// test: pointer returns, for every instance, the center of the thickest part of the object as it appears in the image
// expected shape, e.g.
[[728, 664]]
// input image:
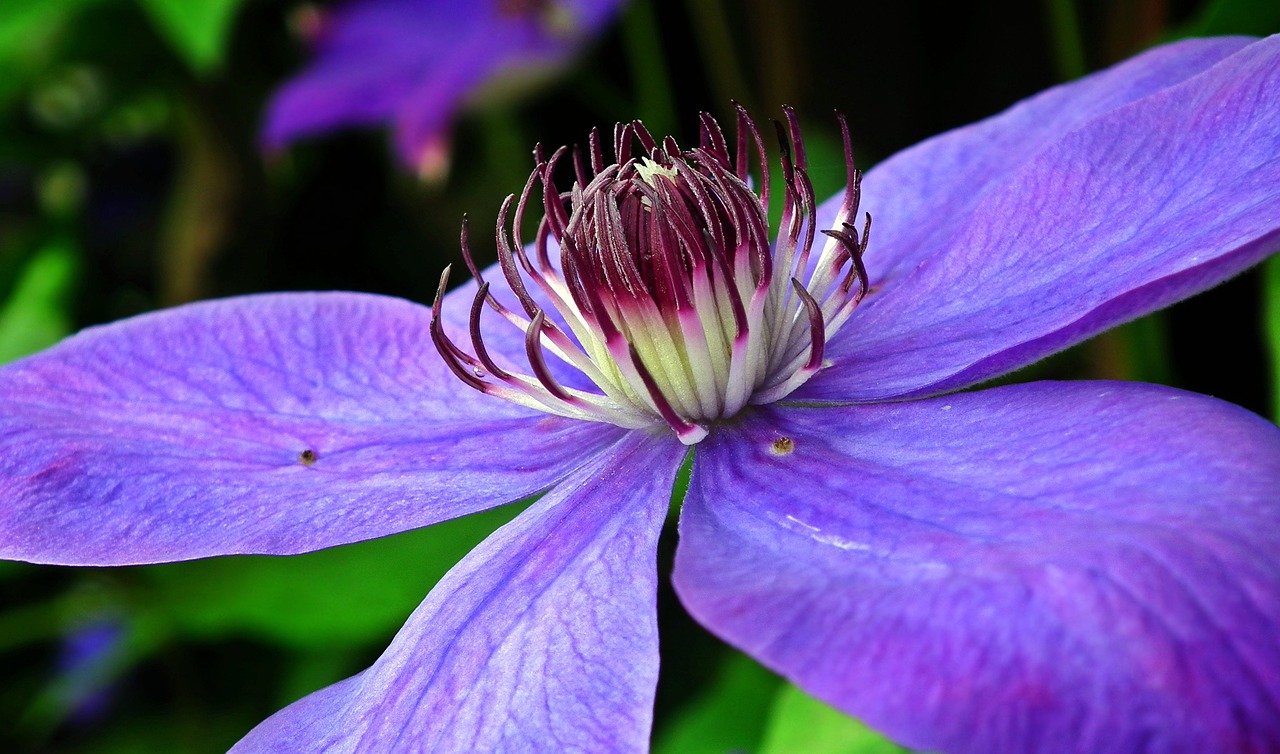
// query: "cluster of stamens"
[[667, 293]]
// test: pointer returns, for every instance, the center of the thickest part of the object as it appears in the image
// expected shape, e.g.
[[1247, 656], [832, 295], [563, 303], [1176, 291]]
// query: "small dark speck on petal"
[[783, 446], [307, 457]]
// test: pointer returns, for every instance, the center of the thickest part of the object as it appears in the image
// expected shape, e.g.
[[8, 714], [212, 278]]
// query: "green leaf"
[[28, 33], [728, 717], [197, 29], [800, 723], [21, 19], [35, 316], [347, 595]]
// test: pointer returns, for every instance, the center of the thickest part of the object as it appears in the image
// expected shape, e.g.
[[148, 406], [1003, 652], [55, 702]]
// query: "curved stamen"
[[454, 358], [667, 293], [533, 348], [477, 340]]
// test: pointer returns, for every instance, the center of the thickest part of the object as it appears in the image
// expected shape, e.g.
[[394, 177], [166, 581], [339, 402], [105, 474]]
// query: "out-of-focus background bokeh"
[[150, 156]]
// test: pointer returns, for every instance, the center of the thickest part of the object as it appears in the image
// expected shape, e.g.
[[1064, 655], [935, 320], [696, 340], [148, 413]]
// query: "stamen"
[[533, 347], [670, 298], [688, 432], [477, 341], [453, 357]]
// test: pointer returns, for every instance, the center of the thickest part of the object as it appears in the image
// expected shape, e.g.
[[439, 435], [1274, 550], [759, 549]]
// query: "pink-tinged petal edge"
[[1140, 207], [1048, 567], [544, 638], [269, 424]]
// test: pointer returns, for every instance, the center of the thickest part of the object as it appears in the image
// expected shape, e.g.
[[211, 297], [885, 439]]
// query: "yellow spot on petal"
[[783, 446], [307, 457]]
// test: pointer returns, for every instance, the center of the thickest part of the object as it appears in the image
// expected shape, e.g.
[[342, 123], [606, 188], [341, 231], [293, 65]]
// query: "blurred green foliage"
[[35, 314], [800, 723], [198, 29], [1220, 17], [329, 600], [728, 715]]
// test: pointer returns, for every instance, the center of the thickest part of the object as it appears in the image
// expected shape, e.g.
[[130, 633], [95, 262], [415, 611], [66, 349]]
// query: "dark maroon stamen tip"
[[817, 328], [853, 249], [454, 358], [477, 339], [533, 349]]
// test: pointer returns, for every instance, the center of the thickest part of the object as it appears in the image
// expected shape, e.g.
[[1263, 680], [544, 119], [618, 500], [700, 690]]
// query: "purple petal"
[[921, 196], [370, 57], [544, 638], [416, 62], [269, 424], [1050, 567], [1138, 208]]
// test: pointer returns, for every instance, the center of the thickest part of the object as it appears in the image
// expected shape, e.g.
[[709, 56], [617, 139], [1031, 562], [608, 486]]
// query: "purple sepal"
[[267, 424], [1133, 210], [1050, 567], [923, 195], [544, 638]]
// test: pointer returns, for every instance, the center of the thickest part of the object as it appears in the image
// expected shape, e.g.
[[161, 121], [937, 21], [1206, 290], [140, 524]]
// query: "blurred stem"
[[649, 75], [507, 152], [680, 489], [781, 62], [1271, 326], [201, 206], [723, 68], [1068, 45], [1138, 350], [1134, 25], [183, 698]]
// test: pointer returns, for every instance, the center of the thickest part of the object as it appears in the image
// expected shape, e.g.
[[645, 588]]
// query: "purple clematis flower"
[[416, 63], [1048, 567]]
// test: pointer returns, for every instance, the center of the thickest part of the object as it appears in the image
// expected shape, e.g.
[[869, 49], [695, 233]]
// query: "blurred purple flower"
[[88, 665], [416, 63], [1049, 567]]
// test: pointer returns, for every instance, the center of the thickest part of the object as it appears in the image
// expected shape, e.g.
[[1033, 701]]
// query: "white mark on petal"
[[795, 520]]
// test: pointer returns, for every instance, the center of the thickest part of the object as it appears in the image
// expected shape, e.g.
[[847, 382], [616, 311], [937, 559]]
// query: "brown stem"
[[202, 206]]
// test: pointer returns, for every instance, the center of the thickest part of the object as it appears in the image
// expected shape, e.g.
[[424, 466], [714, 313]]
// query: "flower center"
[[666, 293]]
